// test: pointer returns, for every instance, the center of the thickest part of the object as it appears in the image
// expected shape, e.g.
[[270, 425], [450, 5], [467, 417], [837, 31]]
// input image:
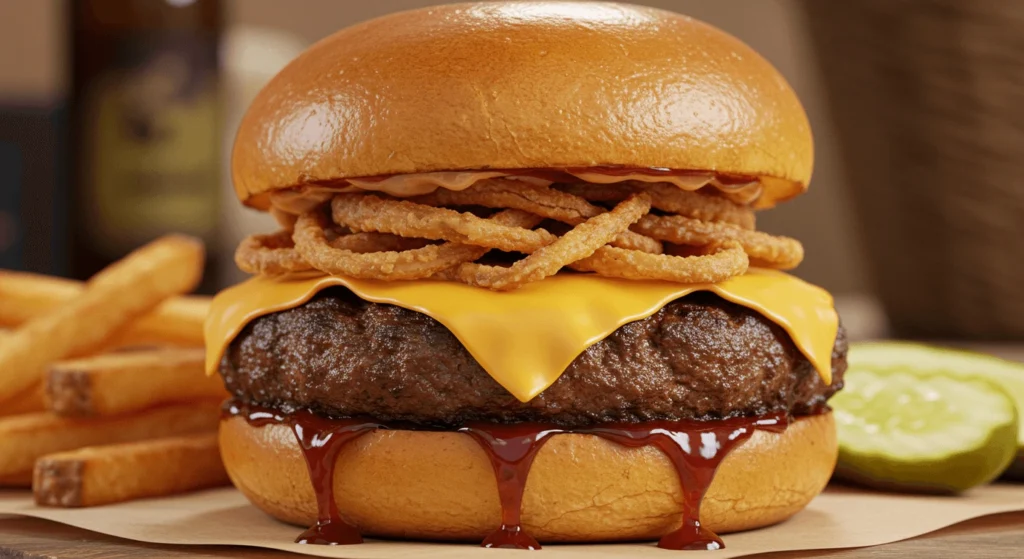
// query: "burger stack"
[[518, 294]]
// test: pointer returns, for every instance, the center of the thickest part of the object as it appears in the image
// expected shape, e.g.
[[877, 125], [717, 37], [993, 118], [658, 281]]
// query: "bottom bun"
[[581, 488]]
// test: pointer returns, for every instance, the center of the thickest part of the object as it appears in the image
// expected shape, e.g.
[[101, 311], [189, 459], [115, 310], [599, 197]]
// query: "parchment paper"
[[840, 517]]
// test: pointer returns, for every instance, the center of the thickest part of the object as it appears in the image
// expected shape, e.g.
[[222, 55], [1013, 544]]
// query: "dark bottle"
[[145, 119]]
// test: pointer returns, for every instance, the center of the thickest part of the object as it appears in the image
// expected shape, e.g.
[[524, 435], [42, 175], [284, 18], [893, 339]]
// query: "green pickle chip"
[[915, 418]]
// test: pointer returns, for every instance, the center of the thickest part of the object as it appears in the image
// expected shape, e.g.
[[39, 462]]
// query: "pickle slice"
[[897, 356], [911, 431]]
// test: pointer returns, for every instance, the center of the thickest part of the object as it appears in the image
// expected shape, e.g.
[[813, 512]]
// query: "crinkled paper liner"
[[839, 518]]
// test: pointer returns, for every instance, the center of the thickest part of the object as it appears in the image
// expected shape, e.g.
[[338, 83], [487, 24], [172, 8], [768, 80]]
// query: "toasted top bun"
[[523, 86]]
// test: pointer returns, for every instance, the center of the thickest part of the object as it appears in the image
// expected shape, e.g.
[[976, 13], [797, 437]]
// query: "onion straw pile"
[[628, 230]]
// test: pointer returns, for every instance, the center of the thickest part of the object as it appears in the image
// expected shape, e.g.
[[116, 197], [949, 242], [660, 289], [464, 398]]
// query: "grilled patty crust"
[[699, 357]]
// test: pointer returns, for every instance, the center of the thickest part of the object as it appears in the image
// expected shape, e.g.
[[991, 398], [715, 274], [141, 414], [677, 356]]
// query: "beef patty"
[[699, 357]]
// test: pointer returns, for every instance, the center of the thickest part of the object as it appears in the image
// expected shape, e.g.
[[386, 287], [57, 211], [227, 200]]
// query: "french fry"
[[119, 294], [26, 295], [101, 475], [29, 401], [24, 438], [130, 381], [177, 321]]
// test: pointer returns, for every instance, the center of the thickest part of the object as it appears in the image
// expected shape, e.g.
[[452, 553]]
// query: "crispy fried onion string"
[[376, 242], [581, 242], [766, 250], [669, 198], [312, 244], [272, 255], [536, 199], [275, 254], [370, 236], [729, 260], [366, 212]]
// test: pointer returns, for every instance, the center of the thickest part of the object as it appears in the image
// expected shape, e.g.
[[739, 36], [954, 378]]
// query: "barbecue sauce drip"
[[511, 450], [695, 448], [321, 440]]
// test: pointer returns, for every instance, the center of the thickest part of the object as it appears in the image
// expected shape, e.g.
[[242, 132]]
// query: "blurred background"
[[116, 117]]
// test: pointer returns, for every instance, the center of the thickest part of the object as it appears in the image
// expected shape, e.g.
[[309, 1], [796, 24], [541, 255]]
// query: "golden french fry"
[[119, 294], [26, 295], [177, 321], [29, 401], [130, 381], [101, 475], [24, 438]]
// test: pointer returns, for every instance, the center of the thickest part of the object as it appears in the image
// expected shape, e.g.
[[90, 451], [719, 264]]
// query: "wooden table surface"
[[996, 536]]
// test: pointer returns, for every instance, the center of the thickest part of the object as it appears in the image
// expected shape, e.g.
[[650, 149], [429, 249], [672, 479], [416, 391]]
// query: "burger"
[[518, 294]]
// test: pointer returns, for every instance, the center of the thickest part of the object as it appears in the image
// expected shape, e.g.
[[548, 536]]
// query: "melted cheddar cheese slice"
[[526, 338]]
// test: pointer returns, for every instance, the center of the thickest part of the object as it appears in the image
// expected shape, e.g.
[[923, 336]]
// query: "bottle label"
[[153, 143]]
